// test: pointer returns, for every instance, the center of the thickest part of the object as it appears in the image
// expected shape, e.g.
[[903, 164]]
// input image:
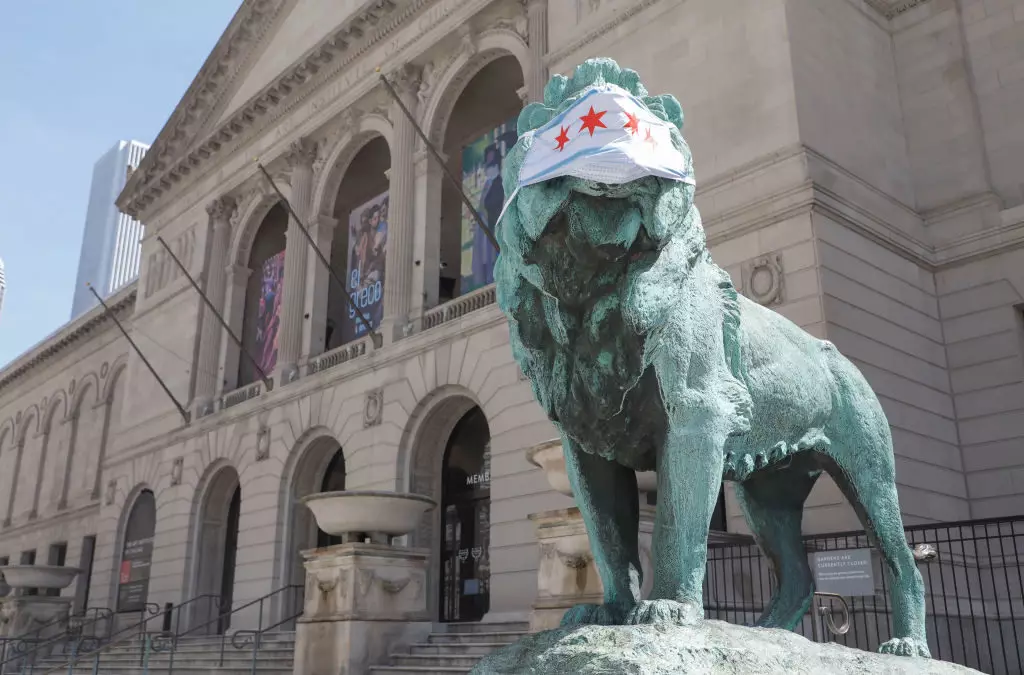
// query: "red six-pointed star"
[[650, 139], [562, 138], [633, 124], [592, 120]]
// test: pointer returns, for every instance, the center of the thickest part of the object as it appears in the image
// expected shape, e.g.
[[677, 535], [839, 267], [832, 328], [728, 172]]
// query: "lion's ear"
[[673, 110], [534, 116], [554, 91]]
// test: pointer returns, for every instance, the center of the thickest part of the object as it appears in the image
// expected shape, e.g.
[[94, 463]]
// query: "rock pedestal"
[[21, 614], [567, 574], [707, 647], [361, 600]]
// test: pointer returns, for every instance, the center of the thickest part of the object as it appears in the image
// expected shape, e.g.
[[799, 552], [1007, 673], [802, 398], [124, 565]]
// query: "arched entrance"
[[217, 546], [466, 521], [263, 295], [480, 131], [320, 469], [137, 554]]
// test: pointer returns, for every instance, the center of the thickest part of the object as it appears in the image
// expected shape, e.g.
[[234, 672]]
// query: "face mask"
[[607, 136]]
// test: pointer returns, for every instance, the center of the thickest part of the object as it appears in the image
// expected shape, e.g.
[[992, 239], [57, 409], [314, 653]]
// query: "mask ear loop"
[[508, 203]]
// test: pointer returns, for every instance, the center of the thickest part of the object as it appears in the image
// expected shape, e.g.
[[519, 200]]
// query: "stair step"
[[419, 670], [436, 660], [481, 627], [467, 638], [471, 649]]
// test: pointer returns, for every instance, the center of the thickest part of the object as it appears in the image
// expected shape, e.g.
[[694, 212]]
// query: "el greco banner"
[[367, 246]]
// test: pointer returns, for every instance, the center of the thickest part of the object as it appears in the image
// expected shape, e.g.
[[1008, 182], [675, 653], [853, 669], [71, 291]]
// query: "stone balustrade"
[[459, 307]]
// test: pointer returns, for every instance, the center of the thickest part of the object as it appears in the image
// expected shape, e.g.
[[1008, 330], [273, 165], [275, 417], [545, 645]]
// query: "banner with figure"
[[269, 317], [481, 181], [367, 246]]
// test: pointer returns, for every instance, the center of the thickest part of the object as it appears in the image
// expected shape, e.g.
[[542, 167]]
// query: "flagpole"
[[263, 375], [378, 341], [437, 156], [184, 413]]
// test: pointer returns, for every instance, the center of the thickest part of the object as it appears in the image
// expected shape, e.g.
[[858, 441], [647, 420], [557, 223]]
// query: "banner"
[[367, 247], [133, 581], [481, 181], [269, 318]]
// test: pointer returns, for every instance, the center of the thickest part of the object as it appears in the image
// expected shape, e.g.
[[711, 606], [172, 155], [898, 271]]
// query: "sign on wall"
[[269, 318], [481, 182], [849, 572], [367, 248], [137, 555]]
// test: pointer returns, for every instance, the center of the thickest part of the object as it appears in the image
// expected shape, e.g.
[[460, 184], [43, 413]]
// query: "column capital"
[[406, 79], [534, 4], [237, 274], [221, 209], [301, 153], [324, 224]]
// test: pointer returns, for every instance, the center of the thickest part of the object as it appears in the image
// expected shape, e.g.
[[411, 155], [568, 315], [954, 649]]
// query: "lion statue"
[[645, 357]]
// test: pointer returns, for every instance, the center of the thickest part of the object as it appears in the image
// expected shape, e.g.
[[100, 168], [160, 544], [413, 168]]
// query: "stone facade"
[[859, 169]]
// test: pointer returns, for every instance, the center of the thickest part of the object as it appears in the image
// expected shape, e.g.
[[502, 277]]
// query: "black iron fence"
[[973, 584]]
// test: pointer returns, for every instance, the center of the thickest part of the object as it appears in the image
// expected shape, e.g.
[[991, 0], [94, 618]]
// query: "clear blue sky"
[[79, 76]]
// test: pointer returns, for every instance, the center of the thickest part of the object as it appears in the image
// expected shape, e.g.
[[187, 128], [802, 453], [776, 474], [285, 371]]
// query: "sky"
[[78, 77]]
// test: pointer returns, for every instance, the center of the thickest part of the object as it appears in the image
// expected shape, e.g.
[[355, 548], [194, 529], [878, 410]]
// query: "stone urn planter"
[[354, 513], [39, 576], [549, 457]]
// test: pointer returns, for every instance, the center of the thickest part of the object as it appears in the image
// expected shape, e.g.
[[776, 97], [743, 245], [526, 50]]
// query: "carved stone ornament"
[[762, 279], [221, 209], [111, 492], [373, 411], [177, 469], [301, 153], [263, 443]]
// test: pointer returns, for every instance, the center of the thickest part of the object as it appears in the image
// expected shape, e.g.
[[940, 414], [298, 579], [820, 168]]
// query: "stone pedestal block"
[[567, 574], [25, 613], [361, 601]]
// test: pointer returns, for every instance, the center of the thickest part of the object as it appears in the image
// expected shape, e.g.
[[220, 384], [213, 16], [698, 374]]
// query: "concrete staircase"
[[193, 656], [454, 650]]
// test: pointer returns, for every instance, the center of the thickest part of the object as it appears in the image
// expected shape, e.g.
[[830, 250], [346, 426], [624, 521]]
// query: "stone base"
[[361, 601], [350, 647], [24, 613], [567, 575], [707, 647]]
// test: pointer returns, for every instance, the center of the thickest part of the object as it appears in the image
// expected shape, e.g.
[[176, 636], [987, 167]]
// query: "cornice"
[[893, 8], [121, 304], [169, 162]]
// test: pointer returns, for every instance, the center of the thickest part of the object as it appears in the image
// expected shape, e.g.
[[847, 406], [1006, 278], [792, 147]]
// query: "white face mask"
[[608, 136]]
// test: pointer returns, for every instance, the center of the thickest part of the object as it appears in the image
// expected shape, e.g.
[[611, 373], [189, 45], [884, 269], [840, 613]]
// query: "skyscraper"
[[110, 243], [3, 286]]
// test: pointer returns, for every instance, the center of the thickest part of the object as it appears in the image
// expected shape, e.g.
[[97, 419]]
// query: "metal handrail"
[[154, 611], [161, 643], [825, 612], [20, 650]]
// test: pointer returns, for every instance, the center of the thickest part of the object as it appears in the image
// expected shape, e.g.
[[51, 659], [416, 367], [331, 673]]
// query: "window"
[[29, 558], [85, 576], [58, 556]]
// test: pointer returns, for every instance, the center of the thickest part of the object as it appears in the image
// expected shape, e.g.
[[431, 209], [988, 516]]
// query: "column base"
[[567, 574]]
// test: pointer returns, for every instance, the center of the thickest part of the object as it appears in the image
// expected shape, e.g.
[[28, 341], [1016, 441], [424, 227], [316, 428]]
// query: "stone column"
[[537, 32], [427, 246], [402, 193], [318, 284], [293, 304], [237, 277], [211, 331]]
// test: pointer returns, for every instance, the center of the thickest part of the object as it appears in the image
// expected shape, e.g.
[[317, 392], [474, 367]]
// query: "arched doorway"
[[359, 244], [137, 554], [217, 548], [264, 293], [480, 131], [466, 521], [320, 469]]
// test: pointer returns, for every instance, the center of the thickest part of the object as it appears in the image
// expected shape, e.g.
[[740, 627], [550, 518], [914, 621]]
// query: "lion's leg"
[[607, 496], [689, 479], [871, 489], [773, 505]]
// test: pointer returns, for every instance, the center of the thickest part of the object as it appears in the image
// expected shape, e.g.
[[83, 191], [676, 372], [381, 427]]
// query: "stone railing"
[[338, 355], [241, 395], [459, 307]]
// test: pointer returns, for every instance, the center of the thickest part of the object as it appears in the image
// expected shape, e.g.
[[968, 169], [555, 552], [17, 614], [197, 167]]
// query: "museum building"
[[859, 170]]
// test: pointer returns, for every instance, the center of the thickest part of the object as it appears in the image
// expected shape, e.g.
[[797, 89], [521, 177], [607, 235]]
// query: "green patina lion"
[[643, 354]]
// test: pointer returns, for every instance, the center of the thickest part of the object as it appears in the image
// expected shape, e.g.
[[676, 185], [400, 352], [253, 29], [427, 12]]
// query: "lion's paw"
[[665, 611], [907, 646], [585, 615]]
